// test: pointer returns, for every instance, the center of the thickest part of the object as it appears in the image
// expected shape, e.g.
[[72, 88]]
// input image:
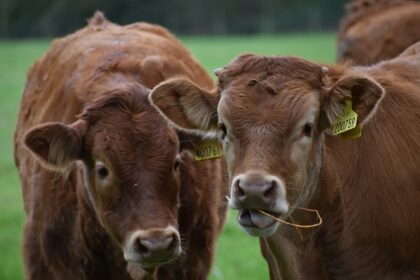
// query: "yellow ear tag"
[[208, 149], [352, 134], [347, 121]]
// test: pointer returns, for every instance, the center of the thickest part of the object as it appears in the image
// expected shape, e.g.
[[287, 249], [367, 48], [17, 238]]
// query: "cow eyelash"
[[222, 130]]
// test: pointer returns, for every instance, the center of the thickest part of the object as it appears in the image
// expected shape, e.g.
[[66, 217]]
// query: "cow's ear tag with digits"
[[207, 149], [346, 123]]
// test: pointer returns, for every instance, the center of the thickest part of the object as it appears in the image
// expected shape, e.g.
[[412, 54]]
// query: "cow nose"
[[153, 249], [256, 191]]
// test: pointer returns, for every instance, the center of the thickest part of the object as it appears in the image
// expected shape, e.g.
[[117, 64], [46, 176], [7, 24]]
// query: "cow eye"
[[222, 131], [307, 130], [101, 171]]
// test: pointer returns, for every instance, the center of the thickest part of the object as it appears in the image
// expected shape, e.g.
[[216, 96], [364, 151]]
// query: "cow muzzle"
[[153, 248], [254, 191]]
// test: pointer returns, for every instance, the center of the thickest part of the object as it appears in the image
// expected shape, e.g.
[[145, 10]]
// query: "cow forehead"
[[247, 108], [132, 139], [275, 68]]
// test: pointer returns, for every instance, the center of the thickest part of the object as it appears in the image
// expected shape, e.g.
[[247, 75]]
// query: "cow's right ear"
[[186, 105], [56, 145]]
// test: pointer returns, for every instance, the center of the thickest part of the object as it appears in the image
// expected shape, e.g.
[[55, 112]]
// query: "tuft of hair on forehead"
[[130, 98], [263, 66]]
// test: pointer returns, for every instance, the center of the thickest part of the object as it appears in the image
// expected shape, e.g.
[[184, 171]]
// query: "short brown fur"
[[93, 86], [375, 30], [366, 190]]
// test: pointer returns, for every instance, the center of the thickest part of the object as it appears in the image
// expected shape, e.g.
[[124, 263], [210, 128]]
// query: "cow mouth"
[[155, 264], [256, 223]]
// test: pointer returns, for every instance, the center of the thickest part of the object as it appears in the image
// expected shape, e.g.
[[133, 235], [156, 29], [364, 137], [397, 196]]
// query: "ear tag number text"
[[347, 121], [208, 149]]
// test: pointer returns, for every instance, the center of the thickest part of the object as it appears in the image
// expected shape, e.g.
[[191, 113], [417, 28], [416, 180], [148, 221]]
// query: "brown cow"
[[110, 190], [274, 119], [376, 30]]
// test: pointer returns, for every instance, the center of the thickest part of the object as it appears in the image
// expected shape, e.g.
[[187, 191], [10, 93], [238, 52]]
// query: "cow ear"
[[364, 93], [56, 145], [186, 105]]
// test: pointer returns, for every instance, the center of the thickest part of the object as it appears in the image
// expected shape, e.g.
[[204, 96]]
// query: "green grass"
[[238, 255]]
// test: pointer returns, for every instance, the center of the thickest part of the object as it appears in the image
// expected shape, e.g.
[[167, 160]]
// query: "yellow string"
[[292, 223], [297, 225], [297, 230]]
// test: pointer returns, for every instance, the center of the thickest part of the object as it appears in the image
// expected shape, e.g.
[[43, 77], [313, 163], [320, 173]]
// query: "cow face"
[[130, 164], [272, 114], [371, 35]]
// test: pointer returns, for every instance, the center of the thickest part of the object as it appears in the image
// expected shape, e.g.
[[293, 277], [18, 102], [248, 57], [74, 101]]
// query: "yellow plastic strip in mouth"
[[297, 225]]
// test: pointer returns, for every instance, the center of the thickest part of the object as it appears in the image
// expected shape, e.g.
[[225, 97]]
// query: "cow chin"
[[258, 232]]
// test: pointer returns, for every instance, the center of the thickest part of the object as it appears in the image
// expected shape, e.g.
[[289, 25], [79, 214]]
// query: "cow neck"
[[290, 247], [311, 185]]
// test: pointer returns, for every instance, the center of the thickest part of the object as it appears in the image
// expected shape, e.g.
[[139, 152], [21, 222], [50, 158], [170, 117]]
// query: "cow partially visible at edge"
[[110, 190], [376, 30], [275, 117]]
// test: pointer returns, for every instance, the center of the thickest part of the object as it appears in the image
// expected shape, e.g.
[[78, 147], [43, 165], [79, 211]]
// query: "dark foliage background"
[[34, 18]]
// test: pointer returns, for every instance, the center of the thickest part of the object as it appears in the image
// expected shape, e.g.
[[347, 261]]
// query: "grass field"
[[238, 255]]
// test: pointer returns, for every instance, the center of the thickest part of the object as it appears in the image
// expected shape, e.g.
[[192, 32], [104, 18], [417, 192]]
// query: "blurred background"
[[35, 18], [215, 31]]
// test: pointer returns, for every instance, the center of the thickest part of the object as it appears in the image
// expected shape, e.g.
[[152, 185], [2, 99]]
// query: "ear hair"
[[335, 104], [364, 92]]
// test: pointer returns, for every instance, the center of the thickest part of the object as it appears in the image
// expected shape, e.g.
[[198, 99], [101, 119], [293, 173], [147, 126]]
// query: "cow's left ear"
[[364, 93], [55, 144]]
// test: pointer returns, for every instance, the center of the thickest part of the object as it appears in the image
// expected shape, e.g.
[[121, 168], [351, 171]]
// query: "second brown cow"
[[277, 120]]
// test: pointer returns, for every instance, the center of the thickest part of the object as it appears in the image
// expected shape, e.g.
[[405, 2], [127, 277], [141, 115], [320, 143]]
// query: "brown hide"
[[275, 116], [368, 189], [89, 93], [377, 30]]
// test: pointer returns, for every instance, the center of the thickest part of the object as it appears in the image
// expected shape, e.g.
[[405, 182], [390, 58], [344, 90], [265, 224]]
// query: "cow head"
[[270, 113], [129, 158]]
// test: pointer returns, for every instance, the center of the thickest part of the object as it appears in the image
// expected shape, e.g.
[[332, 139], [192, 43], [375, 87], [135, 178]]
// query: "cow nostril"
[[173, 243], [270, 190], [241, 192], [141, 248]]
